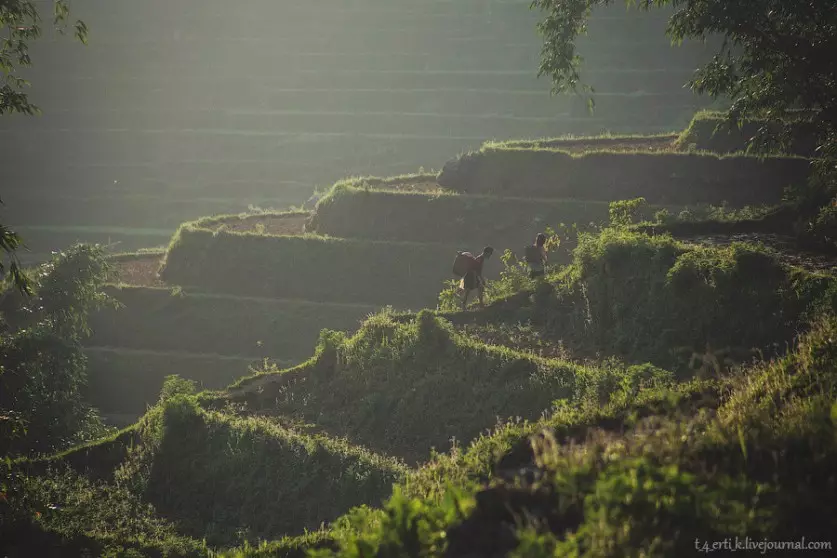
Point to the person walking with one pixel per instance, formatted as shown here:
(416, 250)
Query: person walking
(472, 278)
(536, 257)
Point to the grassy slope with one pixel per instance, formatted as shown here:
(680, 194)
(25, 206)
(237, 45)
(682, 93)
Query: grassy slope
(183, 474)
(646, 476)
(405, 383)
(644, 468)
(404, 386)
(651, 298)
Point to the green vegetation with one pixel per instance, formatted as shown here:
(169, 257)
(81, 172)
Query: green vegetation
(42, 366)
(404, 388)
(647, 477)
(219, 474)
(661, 178)
(652, 298)
(712, 131)
(199, 468)
(644, 396)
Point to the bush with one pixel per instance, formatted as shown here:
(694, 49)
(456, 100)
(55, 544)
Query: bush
(174, 385)
(657, 300)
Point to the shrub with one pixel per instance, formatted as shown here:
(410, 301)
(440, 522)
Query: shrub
(654, 299)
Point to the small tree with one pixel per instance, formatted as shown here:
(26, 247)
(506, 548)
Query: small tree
(42, 365)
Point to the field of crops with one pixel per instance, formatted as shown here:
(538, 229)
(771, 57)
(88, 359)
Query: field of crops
(205, 100)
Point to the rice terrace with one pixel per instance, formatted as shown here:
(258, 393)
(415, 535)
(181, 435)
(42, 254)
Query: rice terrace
(441, 278)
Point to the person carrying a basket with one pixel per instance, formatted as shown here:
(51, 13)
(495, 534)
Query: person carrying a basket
(469, 267)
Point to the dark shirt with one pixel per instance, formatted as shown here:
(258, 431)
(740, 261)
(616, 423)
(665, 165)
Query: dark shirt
(477, 263)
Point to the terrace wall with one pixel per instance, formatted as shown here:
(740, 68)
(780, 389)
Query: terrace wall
(665, 178)
(155, 319)
(192, 100)
(126, 382)
(471, 221)
(711, 132)
(405, 275)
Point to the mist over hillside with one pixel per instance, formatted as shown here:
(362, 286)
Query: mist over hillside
(176, 110)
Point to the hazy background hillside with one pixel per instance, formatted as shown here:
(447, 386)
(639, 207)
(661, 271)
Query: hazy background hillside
(181, 109)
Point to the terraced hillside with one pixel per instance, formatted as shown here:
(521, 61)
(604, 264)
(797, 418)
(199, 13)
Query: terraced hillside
(611, 415)
(175, 111)
(233, 290)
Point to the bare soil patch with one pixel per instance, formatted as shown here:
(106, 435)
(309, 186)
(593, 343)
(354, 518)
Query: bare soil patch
(140, 271)
(266, 224)
(414, 187)
(581, 145)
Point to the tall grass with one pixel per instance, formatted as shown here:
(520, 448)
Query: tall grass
(403, 387)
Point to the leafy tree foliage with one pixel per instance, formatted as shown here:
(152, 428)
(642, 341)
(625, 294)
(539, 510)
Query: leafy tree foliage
(23, 23)
(42, 366)
(776, 56)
